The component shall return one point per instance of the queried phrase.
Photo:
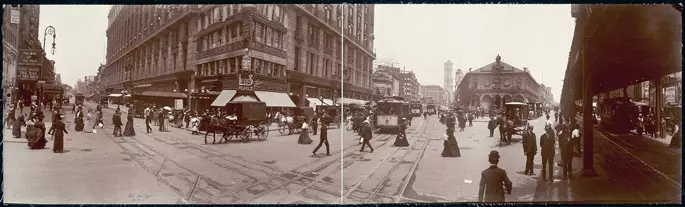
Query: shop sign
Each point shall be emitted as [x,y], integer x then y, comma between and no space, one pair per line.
[29,57]
[245,81]
[29,73]
[15,16]
[669,95]
[178,104]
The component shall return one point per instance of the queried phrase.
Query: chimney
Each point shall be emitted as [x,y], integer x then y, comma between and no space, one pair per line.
[525,69]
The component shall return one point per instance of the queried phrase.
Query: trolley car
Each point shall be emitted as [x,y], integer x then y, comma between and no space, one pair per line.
[431,109]
[416,108]
[389,113]
[618,115]
[79,99]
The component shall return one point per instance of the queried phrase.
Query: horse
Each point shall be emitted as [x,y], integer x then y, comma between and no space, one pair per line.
[214,125]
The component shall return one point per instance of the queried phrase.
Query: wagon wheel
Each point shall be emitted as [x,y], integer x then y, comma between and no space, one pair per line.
[245,135]
[262,132]
[230,133]
[282,128]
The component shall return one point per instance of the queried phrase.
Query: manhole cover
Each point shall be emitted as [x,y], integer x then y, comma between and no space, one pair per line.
[86,150]
[167,174]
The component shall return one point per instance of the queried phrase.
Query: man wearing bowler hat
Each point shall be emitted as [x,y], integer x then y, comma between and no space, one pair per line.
[493,181]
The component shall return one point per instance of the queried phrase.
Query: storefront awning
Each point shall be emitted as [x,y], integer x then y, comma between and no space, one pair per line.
[115,95]
[224,97]
[328,102]
[347,101]
[127,95]
[160,94]
[313,102]
[273,99]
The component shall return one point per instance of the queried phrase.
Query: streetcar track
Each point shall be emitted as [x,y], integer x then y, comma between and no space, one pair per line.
[358,183]
[277,173]
[348,152]
[399,162]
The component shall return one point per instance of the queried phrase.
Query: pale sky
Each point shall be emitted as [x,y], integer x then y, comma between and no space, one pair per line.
[418,37]
[81,38]
[423,37]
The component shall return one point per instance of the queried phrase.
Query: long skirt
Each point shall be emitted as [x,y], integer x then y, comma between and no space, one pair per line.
[16,130]
[31,134]
[88,127]
[401,141]
[40,140]
[128,131]
[79,125]
[58,144]
[304,137]
[451,148]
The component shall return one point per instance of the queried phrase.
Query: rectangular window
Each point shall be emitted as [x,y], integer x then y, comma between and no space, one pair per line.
[258,32]
[277,39]
[277,13]
[269,12]
[269,37]
[297,59]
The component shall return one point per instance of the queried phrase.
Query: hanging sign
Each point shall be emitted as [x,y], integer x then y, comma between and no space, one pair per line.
[178,104]
[245,81]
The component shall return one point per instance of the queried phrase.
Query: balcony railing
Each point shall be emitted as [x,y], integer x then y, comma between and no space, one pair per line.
[223,49]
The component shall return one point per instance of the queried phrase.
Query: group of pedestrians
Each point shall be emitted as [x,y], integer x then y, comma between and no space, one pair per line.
[36,129]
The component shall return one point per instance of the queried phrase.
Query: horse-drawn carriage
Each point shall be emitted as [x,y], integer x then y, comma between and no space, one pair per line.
[517,112]
[246,118]
[293,123]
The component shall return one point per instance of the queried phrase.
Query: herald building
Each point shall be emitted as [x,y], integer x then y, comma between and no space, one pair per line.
[495,84]
[194,52]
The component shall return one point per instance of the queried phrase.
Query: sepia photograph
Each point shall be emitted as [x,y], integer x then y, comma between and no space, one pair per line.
[342,103]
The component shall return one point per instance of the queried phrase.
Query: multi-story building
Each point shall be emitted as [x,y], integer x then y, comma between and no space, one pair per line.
[151,51]
[434,94]
[409,85]
[10,48]
[448,81]
[358,32]
[295,51]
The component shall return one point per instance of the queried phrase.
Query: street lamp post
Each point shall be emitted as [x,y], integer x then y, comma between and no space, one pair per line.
[50,30]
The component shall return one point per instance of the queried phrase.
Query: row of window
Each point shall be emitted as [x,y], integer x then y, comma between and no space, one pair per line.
[228,35]
[233,64]
[266,35]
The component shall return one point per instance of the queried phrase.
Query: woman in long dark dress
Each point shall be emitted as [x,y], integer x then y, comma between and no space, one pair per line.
[18,123]
[304,135]
[78,120]
[401,139]
[58,130]
[40,140]
[128,131]
[31,130]
[451,147]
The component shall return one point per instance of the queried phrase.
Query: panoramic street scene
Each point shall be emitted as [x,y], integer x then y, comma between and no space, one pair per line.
[341,104]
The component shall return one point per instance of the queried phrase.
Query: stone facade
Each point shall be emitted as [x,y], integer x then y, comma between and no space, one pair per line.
[495,84]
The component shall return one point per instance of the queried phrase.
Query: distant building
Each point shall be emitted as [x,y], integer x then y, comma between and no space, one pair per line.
[448,81]
[497,83]
[434,94]
[408,84]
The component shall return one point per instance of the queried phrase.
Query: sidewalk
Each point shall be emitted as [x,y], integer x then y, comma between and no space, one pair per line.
[93,169]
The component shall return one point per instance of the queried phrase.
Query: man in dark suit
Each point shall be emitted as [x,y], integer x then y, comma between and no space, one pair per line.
[315,124]
[493,181]
[566,145]
[148,121]
[116,120]
[323,138]
[547,142]
[530,148]
[366,135]
[492,124]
